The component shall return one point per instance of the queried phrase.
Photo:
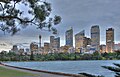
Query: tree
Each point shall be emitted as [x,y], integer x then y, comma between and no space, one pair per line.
[32,12]
[32,56]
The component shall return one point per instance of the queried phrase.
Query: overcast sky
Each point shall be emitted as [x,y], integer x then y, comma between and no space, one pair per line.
[79,14]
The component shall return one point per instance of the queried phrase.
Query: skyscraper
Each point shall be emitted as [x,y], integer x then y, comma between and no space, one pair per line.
[46,48]
[34,47]
[87,41]
[79,40]
[95,37]
[15,48]
[110,40]
[57,42]
[52,42]
[69,37]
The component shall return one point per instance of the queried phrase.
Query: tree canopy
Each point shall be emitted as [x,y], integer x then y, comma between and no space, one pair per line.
[17,14]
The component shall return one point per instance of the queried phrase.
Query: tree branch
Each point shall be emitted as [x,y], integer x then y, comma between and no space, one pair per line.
[13,7]
[14,17]
[2,8]
[5,1]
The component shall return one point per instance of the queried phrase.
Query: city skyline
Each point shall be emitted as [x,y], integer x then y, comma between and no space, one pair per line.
[20,45]
[81,15]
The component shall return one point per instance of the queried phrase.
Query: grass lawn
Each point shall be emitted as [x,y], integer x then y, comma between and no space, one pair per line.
[13,73]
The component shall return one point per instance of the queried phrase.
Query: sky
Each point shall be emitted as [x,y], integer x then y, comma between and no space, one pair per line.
[79,14]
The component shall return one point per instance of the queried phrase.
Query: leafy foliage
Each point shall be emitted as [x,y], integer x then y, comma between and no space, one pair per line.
[114,69]
[16,14]
[12,56]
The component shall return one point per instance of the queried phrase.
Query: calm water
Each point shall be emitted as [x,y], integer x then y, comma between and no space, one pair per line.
[74,67]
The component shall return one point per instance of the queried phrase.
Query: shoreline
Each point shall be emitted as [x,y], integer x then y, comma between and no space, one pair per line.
[42,71]
[57,60]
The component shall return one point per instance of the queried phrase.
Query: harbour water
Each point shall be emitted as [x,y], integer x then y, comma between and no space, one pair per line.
[72,67]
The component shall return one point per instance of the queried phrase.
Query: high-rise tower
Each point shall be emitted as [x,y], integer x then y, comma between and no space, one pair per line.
[69,37]
[52,42]
[110,40]
[79,40]
[57,42]
[95,37]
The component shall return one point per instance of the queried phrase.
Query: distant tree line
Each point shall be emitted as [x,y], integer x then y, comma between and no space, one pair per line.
[11,56]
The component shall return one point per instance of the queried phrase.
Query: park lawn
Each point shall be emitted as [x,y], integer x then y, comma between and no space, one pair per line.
[4,72]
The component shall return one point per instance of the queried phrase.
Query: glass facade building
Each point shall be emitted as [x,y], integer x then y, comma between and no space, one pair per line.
[69,37]
[95,37]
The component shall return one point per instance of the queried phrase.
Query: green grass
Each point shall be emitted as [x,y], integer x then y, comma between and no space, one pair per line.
[4,72]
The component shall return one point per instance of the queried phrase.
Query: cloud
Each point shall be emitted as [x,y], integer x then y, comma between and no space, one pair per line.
[82,14]
[79,14]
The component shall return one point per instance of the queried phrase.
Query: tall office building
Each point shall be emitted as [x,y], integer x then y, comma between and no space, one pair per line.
[95,37]
[110,40]
[79,40]
[57,42]
[46,48]
[69,37]
[52,42]
[15,48]
[87,41]
[33,47]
